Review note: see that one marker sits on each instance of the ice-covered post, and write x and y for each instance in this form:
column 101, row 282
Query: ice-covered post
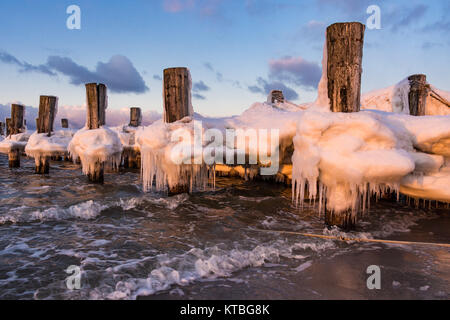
column 418, row 94
column 15, row 127
column 131, row 156
column 65, row 123
column 96, row 108
column 177, row 105
column 47, row 112
column 135, row 117
column 345, row 43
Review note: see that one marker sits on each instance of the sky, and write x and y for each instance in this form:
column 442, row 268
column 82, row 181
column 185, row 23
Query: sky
column 236, row 50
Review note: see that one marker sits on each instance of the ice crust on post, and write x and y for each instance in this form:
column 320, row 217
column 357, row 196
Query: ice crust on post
column 41, row 146
column 344, row 159
column 96, row 146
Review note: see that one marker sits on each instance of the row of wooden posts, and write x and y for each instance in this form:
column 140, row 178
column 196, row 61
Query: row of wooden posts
column 344, row 42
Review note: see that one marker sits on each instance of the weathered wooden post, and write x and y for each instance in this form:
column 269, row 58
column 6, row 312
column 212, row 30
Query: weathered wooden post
column 177, row 105
column 276, row 96
column 15, row 127
column 2, row 129
column 8, row 126
column 65, row 123
column 135, row 117
column 177, row 94
column 345, row 43
column 418, row 93
column 131, row 156
column 96, row 104
column 47, row 113
column 17, row 112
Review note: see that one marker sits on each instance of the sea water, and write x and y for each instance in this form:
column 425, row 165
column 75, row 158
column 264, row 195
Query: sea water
column 129, row 244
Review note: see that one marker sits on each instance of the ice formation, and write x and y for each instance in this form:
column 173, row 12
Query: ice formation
column 17, row 141
column 344, row 159
column 96, row 146
column 161, row 163
column 40, row 145
column 395, row 99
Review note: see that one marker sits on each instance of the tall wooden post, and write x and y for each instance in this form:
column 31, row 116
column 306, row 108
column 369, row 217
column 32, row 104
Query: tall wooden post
column 2, row 129
column 96, row 95
column 345, row 43
column 47, row 113
column 65, row 123
column 177, row 94
column 418, row 93
column 17, row 112
column 135, row 117
column 177, row 105
column 96, row 102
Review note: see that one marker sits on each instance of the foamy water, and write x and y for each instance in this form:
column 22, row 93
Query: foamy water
column 131, row 244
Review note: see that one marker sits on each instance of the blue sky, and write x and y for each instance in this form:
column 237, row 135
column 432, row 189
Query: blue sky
column 236, row 50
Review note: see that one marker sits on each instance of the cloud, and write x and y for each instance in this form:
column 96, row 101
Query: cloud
column 175, row 6
column 200, row 86
column 265, row 87
column 262, row 7
column 206, row 8
column 410, row 16
column 198, row 96
column 157, row 77
column 349, row 7
column 25, row 66
column 119, row 73
column 295, row 70
column 77, row 116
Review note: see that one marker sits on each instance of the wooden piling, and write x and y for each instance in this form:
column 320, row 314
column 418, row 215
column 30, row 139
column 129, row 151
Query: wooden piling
column 96, row 96
column 65, row 123
column 177, row 94
column 47, row 113
column 135, row 117
column 177, row 105
column 15, row 126
column 17, row 113
column 96, row 102
column 8, row 126
column 14, row 158
column 345, row 43
column 277, row 96
column 2, row 129
column 418, row 94
column 131, row 155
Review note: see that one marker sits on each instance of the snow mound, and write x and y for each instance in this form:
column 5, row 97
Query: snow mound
column 40, row 145
column 96, row 146
column 395, row 99
column 17, row 141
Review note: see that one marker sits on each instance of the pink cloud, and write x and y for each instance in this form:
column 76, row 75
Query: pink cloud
column 174, row 6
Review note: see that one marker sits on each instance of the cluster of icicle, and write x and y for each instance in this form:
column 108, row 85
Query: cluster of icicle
column 158, row 167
